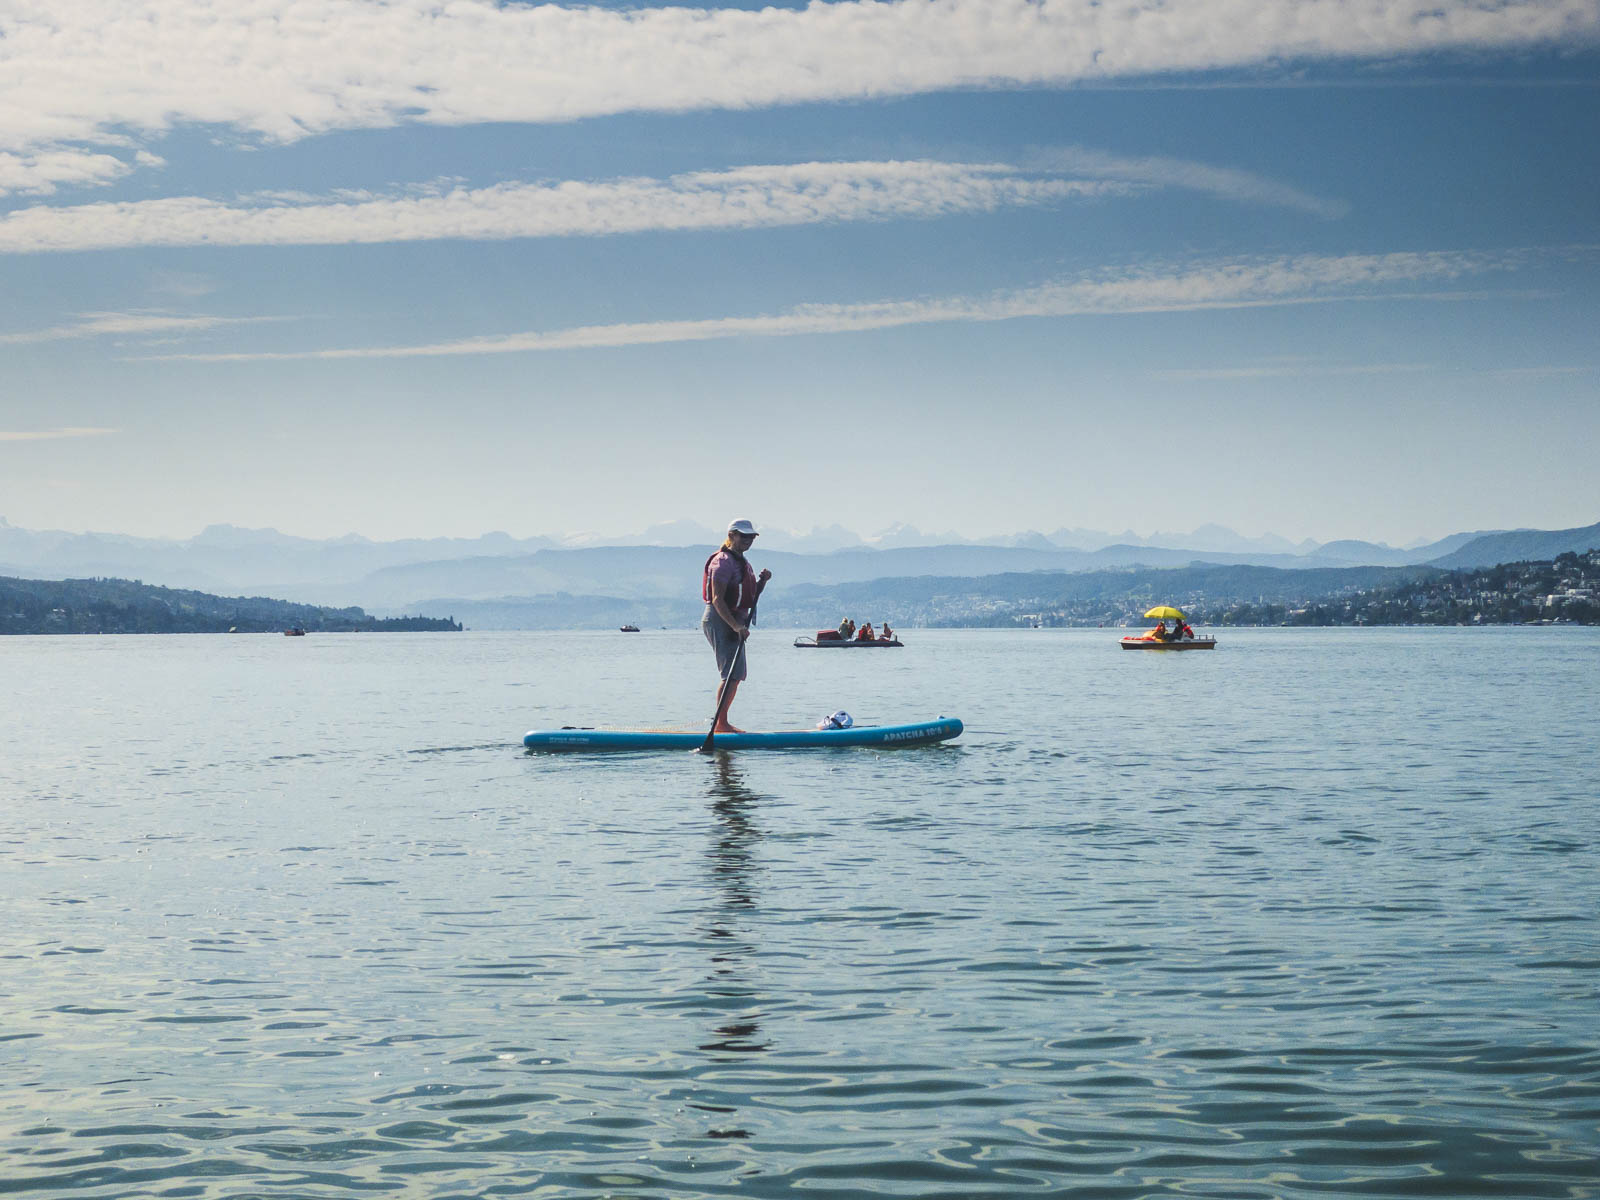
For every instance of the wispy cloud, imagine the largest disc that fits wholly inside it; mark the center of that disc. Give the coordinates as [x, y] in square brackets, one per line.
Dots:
[131, 324]
[182, 284]
[1551, 371]
[1228, 284]
[1295, 369]
[44, 435]
[79, 76]
[742, 198]
[1222, 182]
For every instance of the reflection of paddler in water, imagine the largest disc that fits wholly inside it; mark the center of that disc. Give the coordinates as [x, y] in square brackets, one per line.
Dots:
[733, 868]
[731, 860]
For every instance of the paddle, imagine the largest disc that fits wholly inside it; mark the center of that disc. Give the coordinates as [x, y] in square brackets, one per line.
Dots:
[723, 694]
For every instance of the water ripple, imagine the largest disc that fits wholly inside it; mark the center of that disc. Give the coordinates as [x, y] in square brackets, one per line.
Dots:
[1339, 943]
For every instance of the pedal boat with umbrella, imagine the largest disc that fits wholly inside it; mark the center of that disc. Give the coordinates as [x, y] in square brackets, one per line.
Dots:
[1149, 640]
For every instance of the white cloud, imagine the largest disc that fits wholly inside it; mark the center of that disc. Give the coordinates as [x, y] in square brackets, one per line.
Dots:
[43, 435]
[1229, 284]
[745, 197]
[40, 173]
[135, 324]
[92, 72]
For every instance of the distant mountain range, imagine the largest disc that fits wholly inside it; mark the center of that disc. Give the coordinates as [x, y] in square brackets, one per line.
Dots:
[501, 581]
[1539, 592]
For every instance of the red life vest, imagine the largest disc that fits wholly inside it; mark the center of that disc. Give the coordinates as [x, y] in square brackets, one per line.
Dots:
[741, 598]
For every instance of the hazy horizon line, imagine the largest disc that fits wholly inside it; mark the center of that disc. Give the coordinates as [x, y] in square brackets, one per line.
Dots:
[593, 539]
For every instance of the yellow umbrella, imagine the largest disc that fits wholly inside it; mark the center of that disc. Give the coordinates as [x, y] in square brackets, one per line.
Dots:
[1164, 612]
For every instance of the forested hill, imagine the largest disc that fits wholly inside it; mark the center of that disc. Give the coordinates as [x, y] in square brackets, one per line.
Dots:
[1563, 589]
[123, 606]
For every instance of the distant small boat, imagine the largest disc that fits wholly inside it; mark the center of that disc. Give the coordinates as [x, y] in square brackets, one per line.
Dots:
[296, 631]
[630, 629]
[830, 638]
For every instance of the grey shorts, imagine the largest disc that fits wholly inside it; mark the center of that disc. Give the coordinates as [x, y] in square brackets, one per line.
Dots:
[727, 643]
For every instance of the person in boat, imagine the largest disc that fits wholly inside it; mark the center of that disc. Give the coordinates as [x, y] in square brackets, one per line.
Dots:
[847, 629]
[887, 634]
[1184, 632]
[730, 587]
[866, 634]
[1160, 634]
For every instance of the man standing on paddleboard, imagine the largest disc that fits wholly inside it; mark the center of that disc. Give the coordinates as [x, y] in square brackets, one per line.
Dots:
[730, 588]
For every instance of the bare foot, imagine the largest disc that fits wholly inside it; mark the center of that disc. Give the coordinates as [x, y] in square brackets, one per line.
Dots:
[727, 729]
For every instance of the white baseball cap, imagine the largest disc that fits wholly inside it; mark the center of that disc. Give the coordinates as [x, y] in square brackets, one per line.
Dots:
[744, 527]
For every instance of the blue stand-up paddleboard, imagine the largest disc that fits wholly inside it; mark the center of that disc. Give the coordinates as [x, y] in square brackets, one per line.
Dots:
[921, 733]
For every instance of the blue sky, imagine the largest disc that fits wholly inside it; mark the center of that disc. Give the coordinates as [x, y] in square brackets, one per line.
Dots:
[1323, 268]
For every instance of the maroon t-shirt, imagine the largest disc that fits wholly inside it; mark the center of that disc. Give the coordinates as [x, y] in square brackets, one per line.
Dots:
[734, 580]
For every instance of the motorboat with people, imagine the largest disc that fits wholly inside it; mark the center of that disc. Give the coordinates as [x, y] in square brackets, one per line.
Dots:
[1179, 637]
[848, 637]
[829, 638]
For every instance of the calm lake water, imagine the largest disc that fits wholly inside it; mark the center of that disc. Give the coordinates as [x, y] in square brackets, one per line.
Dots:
[1316, 914]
